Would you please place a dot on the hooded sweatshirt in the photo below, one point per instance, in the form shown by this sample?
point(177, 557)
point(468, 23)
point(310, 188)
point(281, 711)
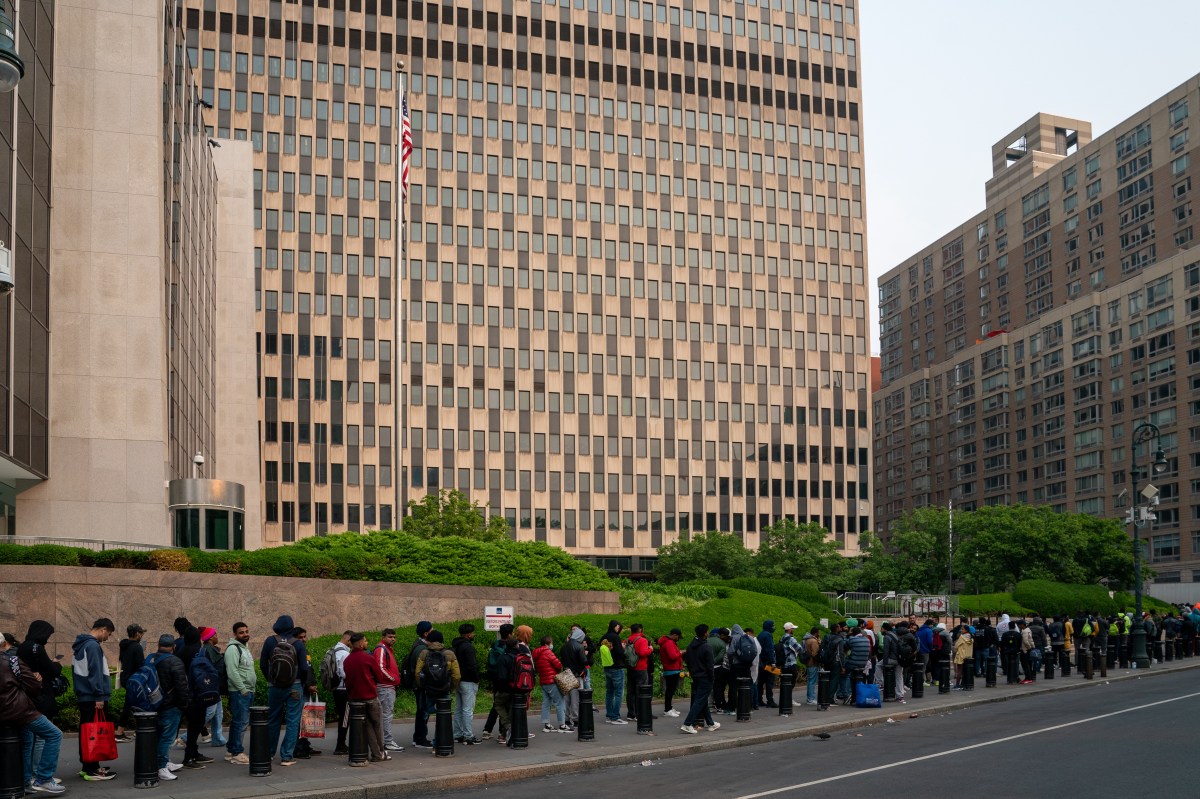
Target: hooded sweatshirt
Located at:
point(90, 667)
point(571, 654)
point(468, 661)
point(239, 666)
point(132, 656)
point(282, 628)
point(669, 655)
point(32, 652)
point(618, 646)
point(699, 657)
point(766, 643)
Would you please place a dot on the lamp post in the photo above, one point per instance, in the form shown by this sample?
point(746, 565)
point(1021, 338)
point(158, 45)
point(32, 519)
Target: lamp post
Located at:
point(12, 68)
point(1139, 517)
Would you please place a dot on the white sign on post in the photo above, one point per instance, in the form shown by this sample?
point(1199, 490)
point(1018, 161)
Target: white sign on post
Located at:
point(496, 615)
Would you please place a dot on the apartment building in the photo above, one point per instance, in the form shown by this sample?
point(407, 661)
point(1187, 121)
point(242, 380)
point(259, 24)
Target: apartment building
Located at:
point(1021, 349)
point(631, 301)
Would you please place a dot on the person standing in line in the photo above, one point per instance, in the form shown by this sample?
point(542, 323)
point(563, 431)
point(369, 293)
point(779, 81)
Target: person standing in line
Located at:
point(700, 664)
point(239, 671)
point(573, 656)
point(672, 664)
point(363, 678)
point(288, 674)
point(468, 687)
point(132, 655)
point(19, 683)
point(385, 658)
point(93, 687)
point(812, 663)
point(173, 683)
point(614, 673)
point(32, 652)
point(718, 641)
point(420, 738)
point(548, 666)
point(214, 715)
point(641, 672)
point(764, 688)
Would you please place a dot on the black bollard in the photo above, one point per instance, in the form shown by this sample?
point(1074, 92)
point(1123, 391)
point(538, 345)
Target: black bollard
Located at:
point(260, 745)
point(989, 674)
point(1111, 655)
point(587, 722)
point(943, 675)
point(889, 683)
point(918, 680)
point(145, 750)
point(968, 678)
point(357, 735)
point(1170, 650)
point(1158, 651)
point(1123, 652)
point(824, 689)
point(443, 732)
point(1103, 664)
point(12, 769)
point(642, 697)
point(1178, 648)
point(1064, 663)
point(1087, 664)
point(745, 701)
point(787, 681)
point(1048, 671)
point(518, 733)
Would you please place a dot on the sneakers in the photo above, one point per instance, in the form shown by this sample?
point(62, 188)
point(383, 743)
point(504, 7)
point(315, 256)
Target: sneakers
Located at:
point(204, 739)
point(166, 775)
point(228, 757)
point(50, 786)
point(98, 776)
point(688, 729)
point(631, 717)
point(287, 762)
point(194, 765)
point(122, 738)
point(566, 728)
point(173, 766)
point(811, 702)
point(716, 725)
point(615, 721)
point(427, 744)
point(205, 759)
point(241, 759)
point(391, 747)
point(549, 728)
point(673, 713)
point(341, 750)
point(487, 734)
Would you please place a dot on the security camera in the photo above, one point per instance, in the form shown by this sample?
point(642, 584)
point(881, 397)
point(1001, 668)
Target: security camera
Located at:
point(6, 269)
point(198, 459)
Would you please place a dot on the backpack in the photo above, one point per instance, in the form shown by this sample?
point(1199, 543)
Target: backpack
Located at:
point(937, 643)
point(1078, 625)
point(501, 665)
point(222, 671)
point(408, 668)
point(906, 651)
point(435, 674)
point(830, 652)
point(780, 654)
point(745, 652)
point(204, 681)
point(631, 655)
point(142, 690)
point(328, 674)
point(282, 666)
point(524, 674)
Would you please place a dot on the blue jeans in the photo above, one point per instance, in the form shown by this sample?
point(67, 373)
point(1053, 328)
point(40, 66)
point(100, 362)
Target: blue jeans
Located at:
point(239, 712)
point(701, 691)
point(425, 709)
point(980, 660)
point(464, 713)
point(811, 674)
point(213, 718)
point(1035, 659)
point(43, 729)
point(552, 696)
point(285, 706)
point(585, 680)
point(168, 728)
point(614, 686)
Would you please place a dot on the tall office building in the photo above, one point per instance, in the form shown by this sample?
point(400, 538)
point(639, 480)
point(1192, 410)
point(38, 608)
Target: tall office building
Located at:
point(631, 301)
point(1022, 349)
point(125, 225)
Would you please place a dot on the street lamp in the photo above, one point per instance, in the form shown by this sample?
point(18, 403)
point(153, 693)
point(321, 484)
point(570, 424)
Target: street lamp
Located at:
point(12, 68)
point(1140, 517)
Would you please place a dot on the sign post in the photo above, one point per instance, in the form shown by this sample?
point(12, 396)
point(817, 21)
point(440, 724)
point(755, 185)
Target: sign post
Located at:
point(496, 615)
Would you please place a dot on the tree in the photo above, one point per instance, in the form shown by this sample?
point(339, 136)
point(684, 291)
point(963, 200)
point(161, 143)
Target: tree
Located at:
point(791, 551)
point(704, 556)
point(451, 512)
point(915, 556)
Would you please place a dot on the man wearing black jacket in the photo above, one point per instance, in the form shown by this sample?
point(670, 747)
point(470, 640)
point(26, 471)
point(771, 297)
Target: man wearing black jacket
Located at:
point(32, 653)
point(572, 656)
point(173, 682)
point(468, 686)
point(132, 658)
point(1010, 647)
point(699, 660)
point(194, 712)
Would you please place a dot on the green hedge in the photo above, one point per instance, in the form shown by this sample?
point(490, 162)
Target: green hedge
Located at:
point(380, 556)
point(1062, 599)
point(990, 605)
point(805, 594)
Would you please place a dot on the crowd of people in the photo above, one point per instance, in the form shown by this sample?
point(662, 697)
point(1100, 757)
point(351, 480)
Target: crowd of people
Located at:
point(185, 678)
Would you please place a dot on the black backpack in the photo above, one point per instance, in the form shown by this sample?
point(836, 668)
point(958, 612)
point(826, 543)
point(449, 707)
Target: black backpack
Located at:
point(907, 650)
point(745, 651)
point(780, 654)
point(435, 673)
point(282, 667)
point(830, 653)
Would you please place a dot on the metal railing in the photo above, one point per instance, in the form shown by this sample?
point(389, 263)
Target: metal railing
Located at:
point(860, 604)
point(95, 544)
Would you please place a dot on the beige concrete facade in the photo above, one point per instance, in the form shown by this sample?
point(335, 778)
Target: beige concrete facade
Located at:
point(1017, 372)
point(633, 292)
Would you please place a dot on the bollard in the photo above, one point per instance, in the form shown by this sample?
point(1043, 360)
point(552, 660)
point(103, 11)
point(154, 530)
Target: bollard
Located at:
point(1123, 653)
point(12, 769)
point(1103, 664)
point(1111, 655)
point(357, 734)
point(889, 683)
point(1158, 651)
point(518, 733)
point(1064, 663)
point(260, 745)
point(989, 676)
point(443, 732)
point(787, 681)
point(145, 750)
point(745, 701)
point(824, 689)
point(1049, 666)
point(968, 678)
point(918, 680)
point(587, 722)
point(1087, 665)
point(1178, 648)
point(642, 697)
point(1170, 650)
point(943, 675)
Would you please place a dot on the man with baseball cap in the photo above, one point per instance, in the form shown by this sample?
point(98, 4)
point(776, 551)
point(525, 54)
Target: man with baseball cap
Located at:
point(132, 655)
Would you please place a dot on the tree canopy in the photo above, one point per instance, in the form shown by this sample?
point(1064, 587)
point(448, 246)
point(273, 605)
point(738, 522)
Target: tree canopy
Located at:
point(451, 512)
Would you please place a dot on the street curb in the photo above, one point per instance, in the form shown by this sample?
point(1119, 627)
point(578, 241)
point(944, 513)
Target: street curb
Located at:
point(513, 773)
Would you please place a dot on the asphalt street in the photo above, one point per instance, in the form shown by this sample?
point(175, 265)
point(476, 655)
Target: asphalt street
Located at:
point(1137, 738)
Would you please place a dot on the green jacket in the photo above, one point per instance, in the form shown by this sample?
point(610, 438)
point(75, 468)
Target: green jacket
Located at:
point(239, 668)
point(718, 647)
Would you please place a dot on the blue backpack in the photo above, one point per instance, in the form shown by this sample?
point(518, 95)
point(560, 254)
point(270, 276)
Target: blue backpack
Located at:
point(142, 691)
point(204, 681)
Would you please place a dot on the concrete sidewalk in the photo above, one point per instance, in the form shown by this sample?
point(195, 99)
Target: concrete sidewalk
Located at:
point(416, 771)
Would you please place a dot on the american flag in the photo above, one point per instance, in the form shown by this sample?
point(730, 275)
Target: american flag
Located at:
point(406, 147)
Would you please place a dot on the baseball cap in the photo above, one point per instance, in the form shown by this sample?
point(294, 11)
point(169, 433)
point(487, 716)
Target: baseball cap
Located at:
point(787, 625)
point(166, 639)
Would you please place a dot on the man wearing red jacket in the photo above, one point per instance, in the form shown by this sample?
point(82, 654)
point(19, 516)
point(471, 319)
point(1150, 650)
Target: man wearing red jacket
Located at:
point(641, 672)
point(385, 658)
point(364, 678)
point(672, 664)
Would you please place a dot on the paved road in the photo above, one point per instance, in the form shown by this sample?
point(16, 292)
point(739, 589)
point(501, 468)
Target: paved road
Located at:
point(1127, 732)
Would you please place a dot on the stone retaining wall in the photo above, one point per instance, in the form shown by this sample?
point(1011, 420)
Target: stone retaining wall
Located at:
point(72, 597)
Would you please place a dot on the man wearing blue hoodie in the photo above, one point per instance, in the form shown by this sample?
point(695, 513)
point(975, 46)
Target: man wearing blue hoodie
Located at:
point(285, 701)
point(765, 693)
point(93, 686)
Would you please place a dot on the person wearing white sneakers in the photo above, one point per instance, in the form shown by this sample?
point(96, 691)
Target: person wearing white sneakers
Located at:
point(672, 664)
point(172, 681)
point(699, 659)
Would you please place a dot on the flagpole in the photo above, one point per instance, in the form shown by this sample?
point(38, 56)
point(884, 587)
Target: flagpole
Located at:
point(399, 350)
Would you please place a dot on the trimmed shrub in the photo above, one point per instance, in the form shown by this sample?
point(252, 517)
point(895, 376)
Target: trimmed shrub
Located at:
point(119, 559)
point(1062, 599)
point(990, 605)
point(40, 555)
point(169, 560)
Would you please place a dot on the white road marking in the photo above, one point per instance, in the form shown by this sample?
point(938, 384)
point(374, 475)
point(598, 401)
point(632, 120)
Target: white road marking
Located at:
point(859, 773)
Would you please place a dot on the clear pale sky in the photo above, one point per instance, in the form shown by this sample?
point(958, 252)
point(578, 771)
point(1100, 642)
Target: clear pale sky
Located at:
point(943, 80)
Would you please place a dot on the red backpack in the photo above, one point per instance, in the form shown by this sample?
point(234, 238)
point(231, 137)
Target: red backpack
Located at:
point(524, 675)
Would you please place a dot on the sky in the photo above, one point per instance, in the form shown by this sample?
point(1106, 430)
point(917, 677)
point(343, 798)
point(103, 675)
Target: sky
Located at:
point(943, 80)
